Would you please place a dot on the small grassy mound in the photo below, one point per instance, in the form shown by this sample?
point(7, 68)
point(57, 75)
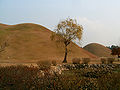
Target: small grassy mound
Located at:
point(98, 50)
point(31, 43)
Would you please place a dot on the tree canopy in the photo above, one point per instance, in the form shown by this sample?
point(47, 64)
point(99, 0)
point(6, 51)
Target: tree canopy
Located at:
point(66, 31)
point(116, 51)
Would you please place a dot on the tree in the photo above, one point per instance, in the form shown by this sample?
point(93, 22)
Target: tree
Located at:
point(116, 51)
point(112, 47)
point(3, 46)
point(67, 31)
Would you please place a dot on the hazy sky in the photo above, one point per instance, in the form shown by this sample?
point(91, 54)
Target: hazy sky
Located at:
point(99, 18)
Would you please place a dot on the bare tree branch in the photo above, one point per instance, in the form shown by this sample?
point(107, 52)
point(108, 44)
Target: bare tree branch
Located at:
point(67, 31)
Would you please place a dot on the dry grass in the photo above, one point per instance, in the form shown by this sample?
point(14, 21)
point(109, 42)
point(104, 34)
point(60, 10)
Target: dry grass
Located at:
point(107, 60)
point(31, 43)
point(28, 78)
point(98, 50)
point(110, 60)
point(76, 60)
point(104, 60)
point(44, 64)
point(85, 60)
point(54, 62)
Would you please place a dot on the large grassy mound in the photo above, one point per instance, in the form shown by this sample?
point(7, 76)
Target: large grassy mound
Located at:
point(98, 50)
point(31, 42)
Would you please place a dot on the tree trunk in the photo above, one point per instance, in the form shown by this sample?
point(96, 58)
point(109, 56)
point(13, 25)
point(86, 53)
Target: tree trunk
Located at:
point(65, 58)
point(118, 57)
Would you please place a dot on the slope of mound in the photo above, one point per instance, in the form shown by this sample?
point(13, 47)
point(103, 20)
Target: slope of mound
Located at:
point(3, 26)
point(31, 42)
point(98, 50)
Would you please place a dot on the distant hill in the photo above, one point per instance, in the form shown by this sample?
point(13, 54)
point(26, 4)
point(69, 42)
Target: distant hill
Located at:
point(31, 42)
point(98, 50)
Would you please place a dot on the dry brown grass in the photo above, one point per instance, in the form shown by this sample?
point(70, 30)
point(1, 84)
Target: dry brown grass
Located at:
point(31, 43)
point(104, 60)
point(44, 64)
point(110, 60)
point(98, 50)
point(54, 62)
point(85, 60)
point(76, 60)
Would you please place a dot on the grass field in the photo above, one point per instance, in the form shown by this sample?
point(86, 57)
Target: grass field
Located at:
point(30, 78)
point(31, 42)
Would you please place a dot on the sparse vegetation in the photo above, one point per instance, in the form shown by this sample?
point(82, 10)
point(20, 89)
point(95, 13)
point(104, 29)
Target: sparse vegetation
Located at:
point(107, 60)
point(103, 60)
point(3, 46)
point(76, 60)
point(110, 60)
point(54, 63)
point(90, 78)
point(85, 60)
point(44, 64)
point(17, 77)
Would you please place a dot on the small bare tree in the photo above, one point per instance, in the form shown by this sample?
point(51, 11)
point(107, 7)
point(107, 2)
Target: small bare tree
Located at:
point(66, 31)
point(2, 46)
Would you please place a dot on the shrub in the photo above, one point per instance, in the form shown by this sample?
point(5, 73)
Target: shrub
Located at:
point(86, 60)
point(54, 63)
point(110, 60)
point(76, 60)
point(27, 78)
point(103, 60)
point(17, 77)
point(109, 82)
point(44, 65)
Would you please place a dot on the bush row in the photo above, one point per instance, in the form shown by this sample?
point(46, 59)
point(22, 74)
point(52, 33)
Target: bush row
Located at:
point(104, 60)
point(78, 60)
point(27, 78)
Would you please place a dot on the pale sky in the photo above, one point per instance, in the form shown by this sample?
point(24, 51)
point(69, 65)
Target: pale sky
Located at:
point(99, 18)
